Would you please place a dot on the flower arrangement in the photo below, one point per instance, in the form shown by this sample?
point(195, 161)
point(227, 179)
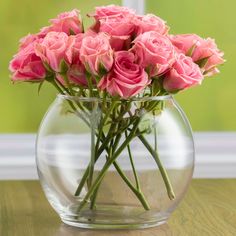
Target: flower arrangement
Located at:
point(121, 57)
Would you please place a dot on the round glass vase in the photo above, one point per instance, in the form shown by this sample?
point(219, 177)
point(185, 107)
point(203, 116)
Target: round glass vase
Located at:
point(122, 164)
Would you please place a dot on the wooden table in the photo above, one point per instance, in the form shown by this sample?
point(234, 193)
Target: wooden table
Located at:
point(209, 208)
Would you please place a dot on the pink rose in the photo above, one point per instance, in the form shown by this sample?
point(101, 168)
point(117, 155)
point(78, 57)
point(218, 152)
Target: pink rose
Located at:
point(117, 22)
point(126, 78)
point(96, 54)
point(112, 11)
point(76, 71)
point(120, 29)
point(67, 22)
point(52, 49)
point(75, 74)
point(208, 50)
point(90, 32)
point(27, 66)
point(28, 39)
point(184, 42)
point(201, 49)
point(72, 53)
point(150, 22)
point(154, 52)
point(184, 74)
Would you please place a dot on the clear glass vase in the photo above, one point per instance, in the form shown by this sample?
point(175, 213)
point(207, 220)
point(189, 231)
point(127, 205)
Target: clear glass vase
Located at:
point(115, 164)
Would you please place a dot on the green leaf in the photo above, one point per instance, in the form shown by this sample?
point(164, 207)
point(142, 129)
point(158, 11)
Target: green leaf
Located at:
point(156, 87)
point(63, 67)
point(97, 78)
point(40, 87)
point(148, 70)
point(72, 32)
point(202, 62)
point(49, 78)
point(87, 72)
point(145, 125)
point(82, 23)
point(102, 70)
point(47, 67)
point(191, 50)
point(86, 65)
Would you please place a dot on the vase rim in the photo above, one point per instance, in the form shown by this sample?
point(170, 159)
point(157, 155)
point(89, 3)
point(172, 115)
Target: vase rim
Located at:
point(138, 99)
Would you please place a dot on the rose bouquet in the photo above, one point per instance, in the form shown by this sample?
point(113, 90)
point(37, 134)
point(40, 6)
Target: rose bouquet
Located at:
point(121, 58)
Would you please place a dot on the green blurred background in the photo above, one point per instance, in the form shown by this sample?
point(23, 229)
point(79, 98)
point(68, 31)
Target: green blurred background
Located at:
point(208, 107)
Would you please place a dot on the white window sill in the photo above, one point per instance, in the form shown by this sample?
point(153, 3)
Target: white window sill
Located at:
point(215, 155)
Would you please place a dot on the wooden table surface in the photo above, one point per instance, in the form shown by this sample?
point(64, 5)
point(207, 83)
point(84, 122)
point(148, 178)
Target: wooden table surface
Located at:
point(209, 208)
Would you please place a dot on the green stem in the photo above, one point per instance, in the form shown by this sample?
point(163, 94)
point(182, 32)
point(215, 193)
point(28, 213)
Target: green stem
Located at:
point(105, 142)
point(98, 153)
point(110, 136)
point(89, 171)
point(137, 191)
point(64, 88)
point(110, 149)
point(86, 173)
point(155, 137)
point(94, 198)
point(95, 193)
point(116, 142)
point(132, 165)
point(163, 172)
point(54, 83)
point(67, 83)
point(92, 160)
point(82, 182)
point(100, 133)
point(90, 85)
point(103, 122)
point(107, 165)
